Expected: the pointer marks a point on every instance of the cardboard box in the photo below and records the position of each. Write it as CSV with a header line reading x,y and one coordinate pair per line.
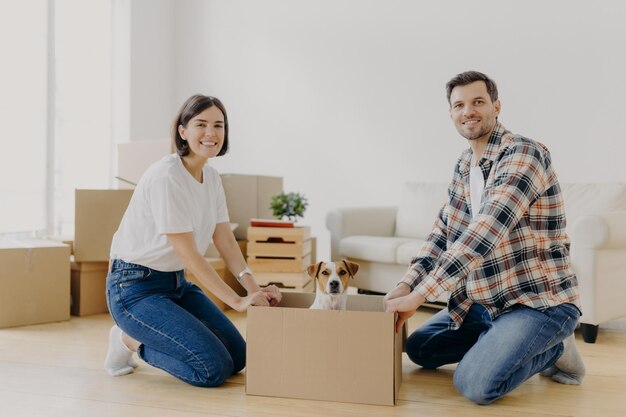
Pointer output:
x,y
68,240
88,288
34,282
133,158
97,216
347,356
249,197
220,267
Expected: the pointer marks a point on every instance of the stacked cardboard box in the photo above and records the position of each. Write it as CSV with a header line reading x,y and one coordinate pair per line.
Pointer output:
x,y
34,282
97,216
88,287
280,255
249,197
133,158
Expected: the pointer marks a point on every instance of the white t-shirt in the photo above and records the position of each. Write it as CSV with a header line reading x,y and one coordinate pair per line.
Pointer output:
x,y
477,186
168,199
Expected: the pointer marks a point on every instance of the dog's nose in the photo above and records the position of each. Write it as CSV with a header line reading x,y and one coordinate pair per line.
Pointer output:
x,y
334,285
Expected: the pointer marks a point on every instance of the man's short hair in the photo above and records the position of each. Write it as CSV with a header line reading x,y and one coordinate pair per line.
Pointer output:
x,y
469,77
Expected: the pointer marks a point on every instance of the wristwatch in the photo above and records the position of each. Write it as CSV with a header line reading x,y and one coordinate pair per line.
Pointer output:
x,y
245,271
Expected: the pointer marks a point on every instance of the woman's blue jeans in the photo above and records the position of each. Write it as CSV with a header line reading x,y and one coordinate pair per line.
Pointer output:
x,y
180,330
494,356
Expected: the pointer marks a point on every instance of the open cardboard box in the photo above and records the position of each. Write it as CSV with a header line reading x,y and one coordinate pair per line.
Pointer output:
x,y
347,356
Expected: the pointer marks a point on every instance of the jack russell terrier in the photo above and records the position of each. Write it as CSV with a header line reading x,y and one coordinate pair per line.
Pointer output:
x,y
332,280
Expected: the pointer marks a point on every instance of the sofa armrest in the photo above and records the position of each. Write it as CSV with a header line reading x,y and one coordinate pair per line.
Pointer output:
x,y
350,221
601,231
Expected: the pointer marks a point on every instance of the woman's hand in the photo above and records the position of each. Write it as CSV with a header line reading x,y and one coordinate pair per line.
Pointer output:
x,y
273,293
258,298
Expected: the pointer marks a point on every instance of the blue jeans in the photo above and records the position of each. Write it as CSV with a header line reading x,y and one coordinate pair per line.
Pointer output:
x,y
180,329
494,356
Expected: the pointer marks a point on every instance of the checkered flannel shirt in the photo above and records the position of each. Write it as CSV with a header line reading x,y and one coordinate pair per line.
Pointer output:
x,y
514,251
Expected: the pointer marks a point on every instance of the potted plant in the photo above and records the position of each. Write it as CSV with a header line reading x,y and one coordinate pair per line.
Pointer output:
x,y
289,205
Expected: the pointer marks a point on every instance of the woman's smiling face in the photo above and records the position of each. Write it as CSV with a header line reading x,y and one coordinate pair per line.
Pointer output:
x,y
205,133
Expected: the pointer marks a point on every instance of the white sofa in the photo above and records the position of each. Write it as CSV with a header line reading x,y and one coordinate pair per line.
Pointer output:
x,y
384,239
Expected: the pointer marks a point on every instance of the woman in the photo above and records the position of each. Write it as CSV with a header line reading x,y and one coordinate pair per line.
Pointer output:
x,y
176,208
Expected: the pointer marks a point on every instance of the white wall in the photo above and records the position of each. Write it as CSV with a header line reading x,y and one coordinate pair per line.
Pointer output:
x,y
152,73
143,58
345,98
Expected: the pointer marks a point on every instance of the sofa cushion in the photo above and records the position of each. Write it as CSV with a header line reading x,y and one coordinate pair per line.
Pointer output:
x,y
408,250
586,199
419,205
371,248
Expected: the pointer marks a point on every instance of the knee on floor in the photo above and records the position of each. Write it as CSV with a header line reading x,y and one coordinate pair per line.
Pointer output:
x,y
474,390
413,351
212,375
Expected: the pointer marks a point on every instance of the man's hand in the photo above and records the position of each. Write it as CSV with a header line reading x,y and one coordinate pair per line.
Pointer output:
x,y
400,291
405,306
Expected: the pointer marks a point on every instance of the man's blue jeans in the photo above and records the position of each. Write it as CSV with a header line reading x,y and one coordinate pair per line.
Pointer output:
x,y
494,356
180,330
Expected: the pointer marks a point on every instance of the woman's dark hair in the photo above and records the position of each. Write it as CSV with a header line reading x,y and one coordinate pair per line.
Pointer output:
x,y
195,105
469,77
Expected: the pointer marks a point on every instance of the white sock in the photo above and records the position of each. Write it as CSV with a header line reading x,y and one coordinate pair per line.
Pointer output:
x,y
569,368
131,362
119,357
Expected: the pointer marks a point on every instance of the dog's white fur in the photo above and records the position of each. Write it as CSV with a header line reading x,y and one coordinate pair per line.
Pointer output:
x,y
331,283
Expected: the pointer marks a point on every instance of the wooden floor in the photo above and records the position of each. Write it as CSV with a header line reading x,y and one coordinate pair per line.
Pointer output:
x,y
56,370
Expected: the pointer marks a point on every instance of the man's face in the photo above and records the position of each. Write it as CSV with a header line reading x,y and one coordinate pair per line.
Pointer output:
x,y
472,111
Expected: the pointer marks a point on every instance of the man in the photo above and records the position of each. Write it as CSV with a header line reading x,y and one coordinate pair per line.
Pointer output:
x,y
499,247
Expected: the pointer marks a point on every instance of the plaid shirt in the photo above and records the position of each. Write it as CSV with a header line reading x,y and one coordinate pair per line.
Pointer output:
x,y
515,250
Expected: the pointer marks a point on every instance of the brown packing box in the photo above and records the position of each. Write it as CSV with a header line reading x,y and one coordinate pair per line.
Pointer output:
x,y
347,356
88,288
68,240
249,197
97,216
220,267
34,282
133,158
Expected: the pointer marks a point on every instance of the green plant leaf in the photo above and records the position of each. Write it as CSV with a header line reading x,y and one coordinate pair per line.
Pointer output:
x,y
290,205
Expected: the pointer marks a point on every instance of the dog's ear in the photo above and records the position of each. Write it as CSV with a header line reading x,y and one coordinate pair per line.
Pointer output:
x,y
314,269
352,267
